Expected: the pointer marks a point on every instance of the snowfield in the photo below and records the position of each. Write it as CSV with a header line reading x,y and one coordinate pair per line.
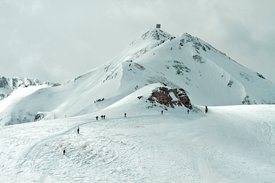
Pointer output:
x,y
228,144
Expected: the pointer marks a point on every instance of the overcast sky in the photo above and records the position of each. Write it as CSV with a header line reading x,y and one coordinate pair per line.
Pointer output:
x,y
57,40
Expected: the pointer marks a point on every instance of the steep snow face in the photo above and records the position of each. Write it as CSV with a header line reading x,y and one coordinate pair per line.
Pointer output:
x,y
10,113
208,76
142,45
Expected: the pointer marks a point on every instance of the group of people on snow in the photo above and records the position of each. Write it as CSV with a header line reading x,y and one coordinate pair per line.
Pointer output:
x,y
125,115
99,100
188,110
102,117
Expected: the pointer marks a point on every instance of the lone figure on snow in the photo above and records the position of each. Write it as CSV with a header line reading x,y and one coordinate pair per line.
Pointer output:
x,y
161,112
64,152
96,117
125,115
206,109
78,130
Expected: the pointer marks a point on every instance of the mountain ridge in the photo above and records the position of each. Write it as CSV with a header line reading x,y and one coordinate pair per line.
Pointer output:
x,y
207,75
8,85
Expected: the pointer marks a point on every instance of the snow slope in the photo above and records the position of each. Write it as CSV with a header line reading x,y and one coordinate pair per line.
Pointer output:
x,y
229,144
207,75
7,104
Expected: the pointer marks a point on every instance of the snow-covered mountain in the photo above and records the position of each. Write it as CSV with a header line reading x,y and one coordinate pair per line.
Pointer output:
x,y
8,85
206,75
153,95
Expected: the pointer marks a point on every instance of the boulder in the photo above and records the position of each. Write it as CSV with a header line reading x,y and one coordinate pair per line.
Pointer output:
x,y
170,97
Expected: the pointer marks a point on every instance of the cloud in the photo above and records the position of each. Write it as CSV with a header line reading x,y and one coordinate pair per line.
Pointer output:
x,y
67,38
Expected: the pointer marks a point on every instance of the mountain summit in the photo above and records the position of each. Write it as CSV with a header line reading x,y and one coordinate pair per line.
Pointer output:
x,y
156,34
155,60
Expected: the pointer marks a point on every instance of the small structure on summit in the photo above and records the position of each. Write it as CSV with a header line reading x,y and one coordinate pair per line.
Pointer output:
x,y
158,26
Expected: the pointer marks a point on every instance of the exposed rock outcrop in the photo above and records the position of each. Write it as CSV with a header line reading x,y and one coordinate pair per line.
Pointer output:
x,y
170,97
39,116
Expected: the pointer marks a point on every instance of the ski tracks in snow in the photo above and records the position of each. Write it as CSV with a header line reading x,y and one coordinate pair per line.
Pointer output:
x,y
45,140
103,154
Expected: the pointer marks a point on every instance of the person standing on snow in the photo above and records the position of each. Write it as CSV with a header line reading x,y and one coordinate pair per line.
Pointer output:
x,y
206,109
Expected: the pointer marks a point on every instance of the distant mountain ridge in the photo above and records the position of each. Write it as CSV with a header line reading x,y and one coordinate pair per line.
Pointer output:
x,y
181,62
7,85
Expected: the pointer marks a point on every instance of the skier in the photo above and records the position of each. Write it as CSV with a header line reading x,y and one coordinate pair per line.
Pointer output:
x,y
64,151
96,117
78,130
206,109
187,111
125,115
161,112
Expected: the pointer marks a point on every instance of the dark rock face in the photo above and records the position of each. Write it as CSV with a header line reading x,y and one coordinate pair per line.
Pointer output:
x,y
39,116
246,100
3,82
162,95
260,75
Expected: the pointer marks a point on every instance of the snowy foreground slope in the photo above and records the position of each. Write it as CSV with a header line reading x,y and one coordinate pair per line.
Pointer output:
x,y
208,76
229,144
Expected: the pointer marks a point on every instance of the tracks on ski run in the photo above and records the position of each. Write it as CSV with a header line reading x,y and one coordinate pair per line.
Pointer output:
x,y
94,149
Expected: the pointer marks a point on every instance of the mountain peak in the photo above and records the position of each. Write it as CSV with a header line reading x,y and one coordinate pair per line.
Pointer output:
x,y
186,62
146,42
156,34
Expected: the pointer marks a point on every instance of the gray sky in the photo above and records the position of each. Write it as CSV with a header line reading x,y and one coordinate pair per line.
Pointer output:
x,y
57,40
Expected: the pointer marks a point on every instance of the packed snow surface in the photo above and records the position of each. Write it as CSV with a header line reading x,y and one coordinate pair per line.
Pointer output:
x,y
228,144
